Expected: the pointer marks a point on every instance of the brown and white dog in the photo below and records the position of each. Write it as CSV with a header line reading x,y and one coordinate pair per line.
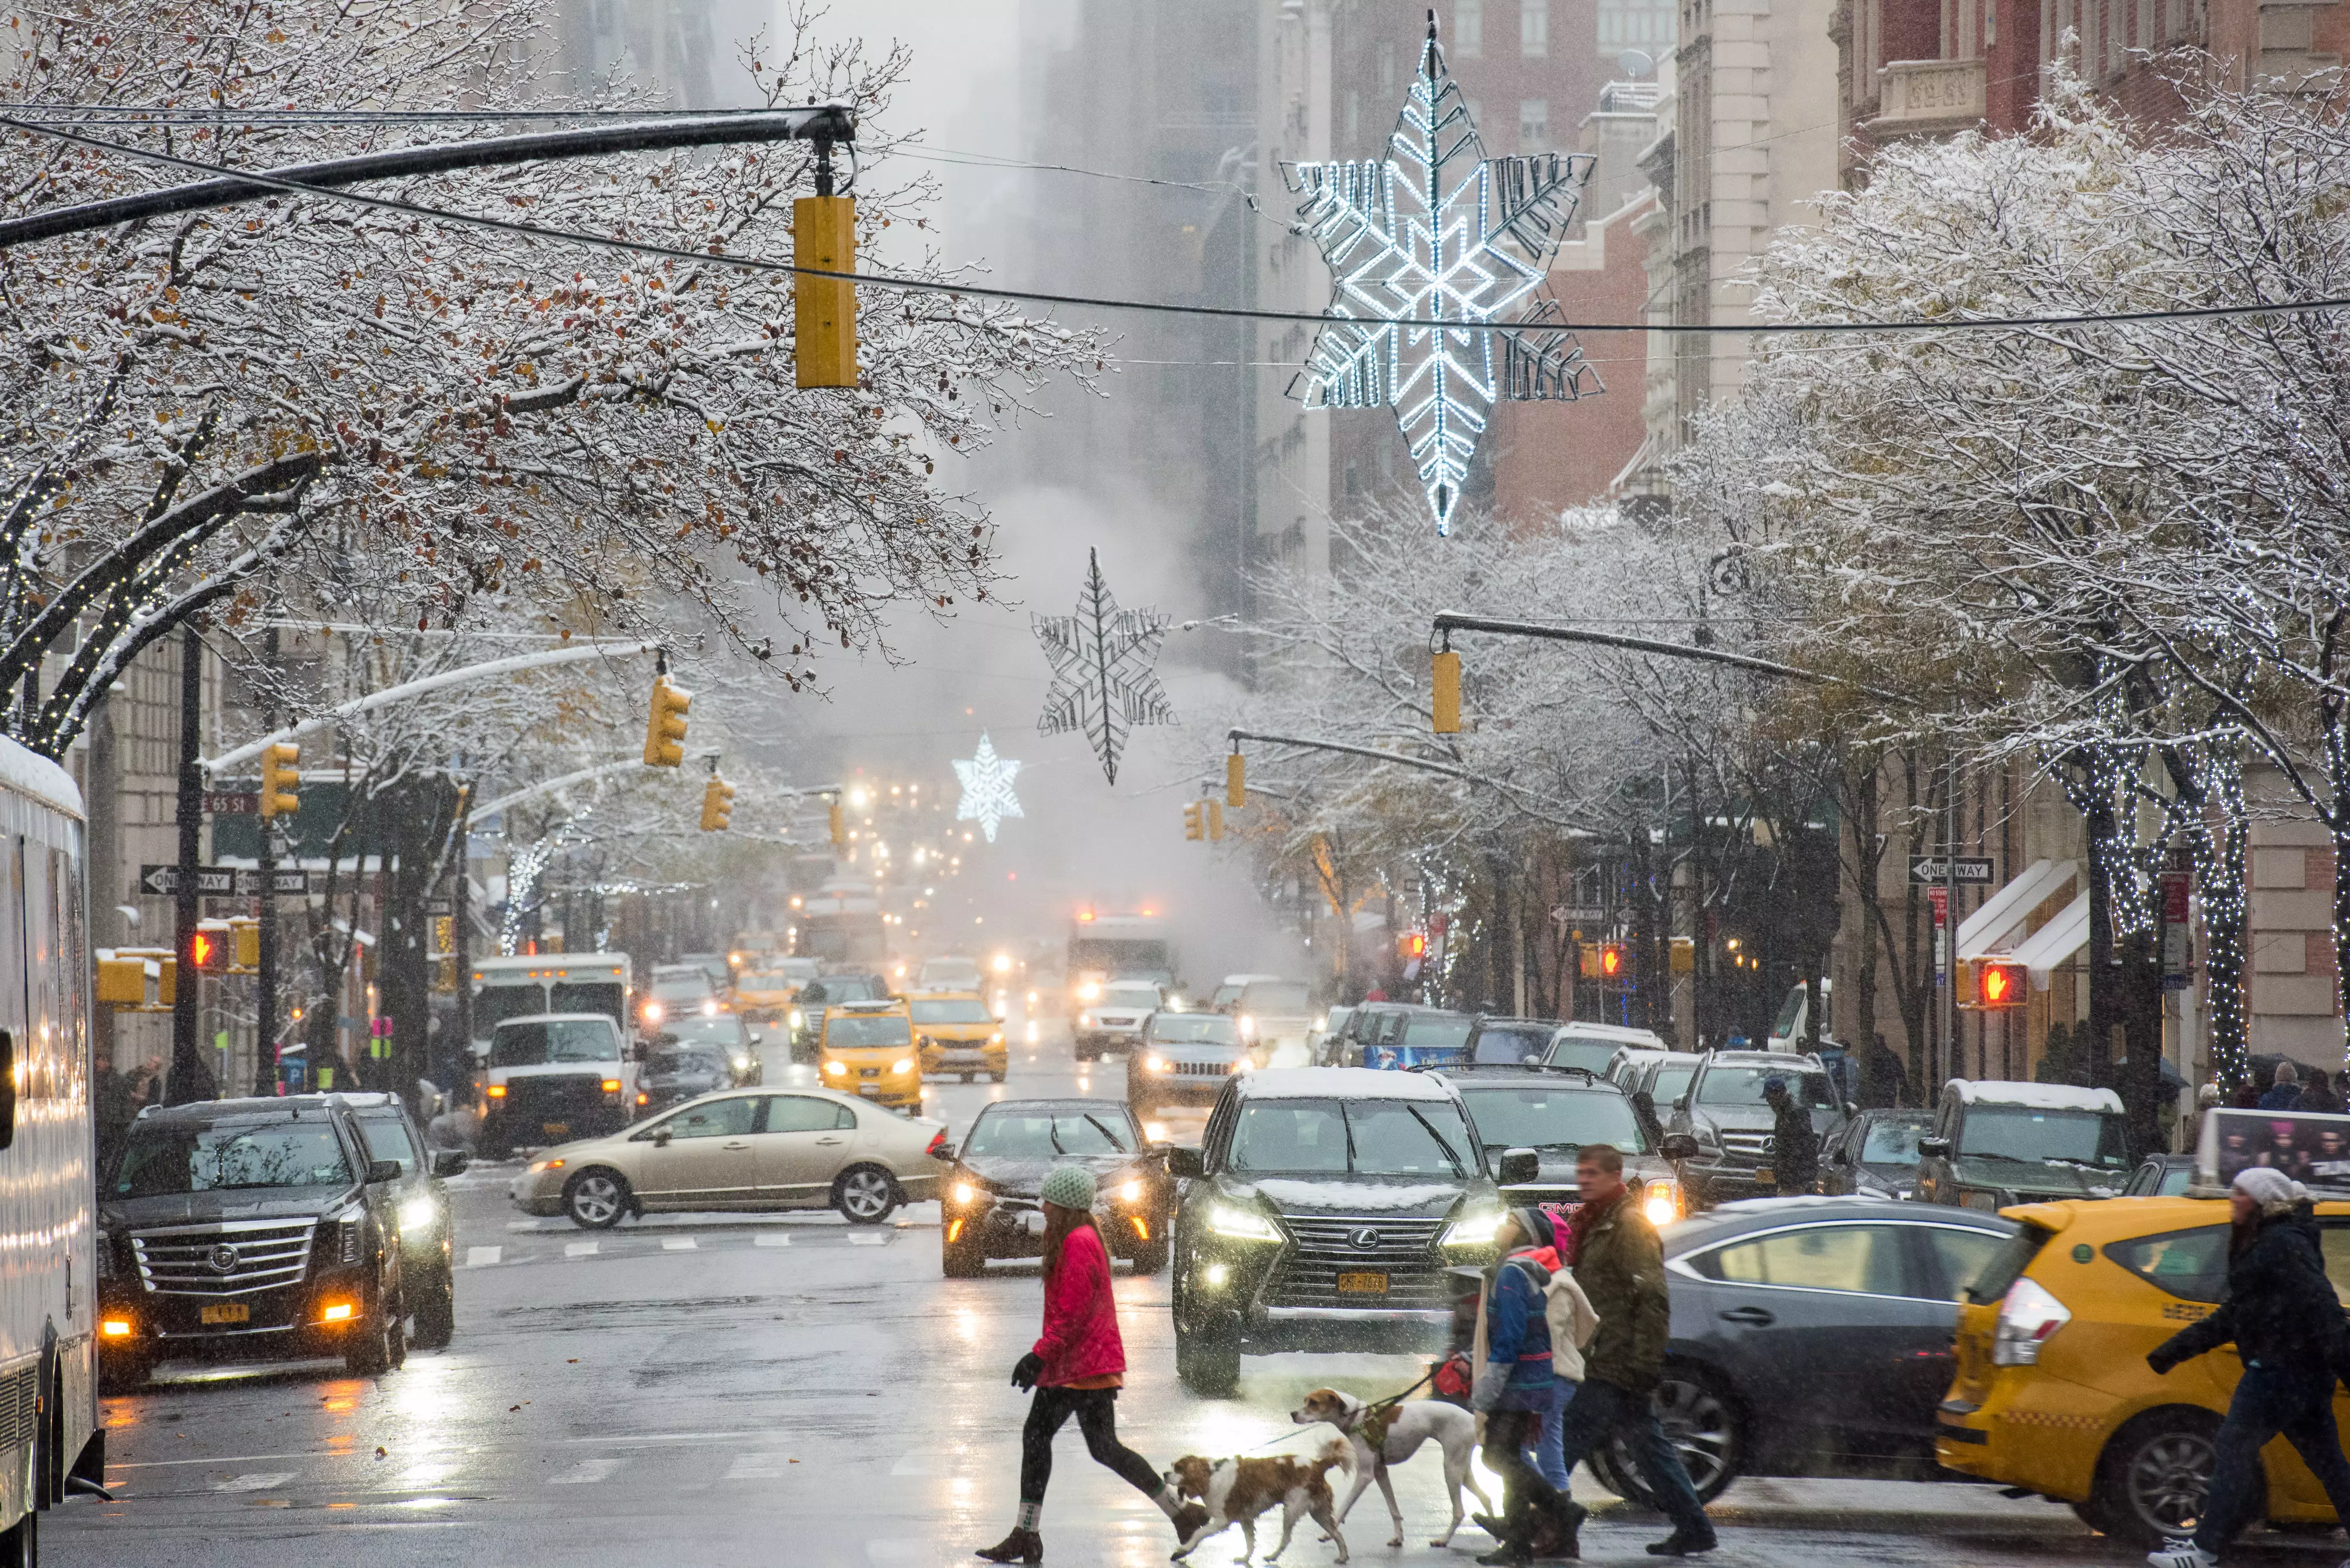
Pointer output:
x,y
1236,1490
1387,1435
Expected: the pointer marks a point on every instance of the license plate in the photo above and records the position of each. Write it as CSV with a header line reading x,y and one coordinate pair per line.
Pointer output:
x,y
227,1312
868,1072
1363,1284
1765,1176
555,1130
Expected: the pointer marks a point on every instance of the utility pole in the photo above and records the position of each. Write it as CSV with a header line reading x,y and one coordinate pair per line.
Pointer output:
x,y
189,1080
1950,927
264,1037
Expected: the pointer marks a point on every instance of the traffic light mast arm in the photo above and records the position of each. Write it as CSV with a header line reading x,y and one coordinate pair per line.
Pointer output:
x,y
1372,753
489,809
1450,622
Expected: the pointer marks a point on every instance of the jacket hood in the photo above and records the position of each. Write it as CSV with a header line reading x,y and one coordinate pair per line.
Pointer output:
x,y
1022,1176
203,1207
1407,1197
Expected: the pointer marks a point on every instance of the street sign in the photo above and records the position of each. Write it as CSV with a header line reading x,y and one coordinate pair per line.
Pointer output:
x,y
1935,869
233,802
222,882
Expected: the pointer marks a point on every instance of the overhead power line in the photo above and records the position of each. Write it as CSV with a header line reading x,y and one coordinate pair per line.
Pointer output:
x,y
715,257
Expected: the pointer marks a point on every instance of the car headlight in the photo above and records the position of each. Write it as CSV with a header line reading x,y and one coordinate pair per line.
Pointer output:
x,y
1662,1202
652,1013
901,1067
1131,1192
710,1010
1088,992
1247,1024
1084,1020
836,1069
1321,1023
416,1214
1154,1064
799,1019
742,1064
1241,1223
964,1192
1474,1229
539,1165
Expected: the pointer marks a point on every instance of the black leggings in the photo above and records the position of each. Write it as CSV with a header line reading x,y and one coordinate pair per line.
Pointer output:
x,y
1097,1413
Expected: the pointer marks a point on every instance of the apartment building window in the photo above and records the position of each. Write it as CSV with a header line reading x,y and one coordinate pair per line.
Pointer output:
x,y
1640,25
1468,28
1534,124
1388,68
1533,28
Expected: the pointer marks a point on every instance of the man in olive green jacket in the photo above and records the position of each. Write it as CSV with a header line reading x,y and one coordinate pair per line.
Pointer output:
x,y
1621,1264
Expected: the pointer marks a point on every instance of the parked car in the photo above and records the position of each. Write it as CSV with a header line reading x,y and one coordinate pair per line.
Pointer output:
x,y
1411,1037
553,1077
1995,1144
257,1229
1278,1020
2161,1176
674,1072
991,1208
957,1033
1183,1059
1724,1111
1596,1047
1811,1336
1113,1019
421,1206
1554,1111
756,1149
867,1048
1324,1206
1509,1041
2052,1392
1876,1157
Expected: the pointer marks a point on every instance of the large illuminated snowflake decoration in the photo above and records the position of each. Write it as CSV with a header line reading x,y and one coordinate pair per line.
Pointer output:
x,y
987,796
1439,232
1102,679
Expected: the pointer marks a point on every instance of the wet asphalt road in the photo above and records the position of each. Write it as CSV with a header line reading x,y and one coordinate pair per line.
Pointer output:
x,y
783,1389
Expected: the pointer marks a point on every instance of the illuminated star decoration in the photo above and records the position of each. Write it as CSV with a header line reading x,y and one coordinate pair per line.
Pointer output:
x,y
1438,230
987,796
1102,679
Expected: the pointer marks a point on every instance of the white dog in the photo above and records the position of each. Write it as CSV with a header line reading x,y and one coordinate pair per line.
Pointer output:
x,y
1389,1434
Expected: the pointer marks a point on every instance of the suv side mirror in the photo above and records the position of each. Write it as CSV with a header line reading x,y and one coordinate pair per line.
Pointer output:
x,y
1678,1145
1520,1166
1185,1162
383,1170
1934,1147
450,1161
661,1137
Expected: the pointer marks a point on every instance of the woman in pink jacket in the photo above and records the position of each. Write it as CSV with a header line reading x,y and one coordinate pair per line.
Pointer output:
x,y
1075,1369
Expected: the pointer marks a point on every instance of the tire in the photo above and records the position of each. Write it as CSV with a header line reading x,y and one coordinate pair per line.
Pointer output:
x,y
961,1261
20,1543
1704,1424
117,1375
967,1077
436,1310
2153,1476
995,1077
1151,1258
865,1195
1208,1358
596,1198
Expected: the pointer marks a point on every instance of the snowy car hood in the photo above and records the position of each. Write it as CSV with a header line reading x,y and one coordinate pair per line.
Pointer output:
x,y
1362,1195
1024,1177
2038,1178
205,1207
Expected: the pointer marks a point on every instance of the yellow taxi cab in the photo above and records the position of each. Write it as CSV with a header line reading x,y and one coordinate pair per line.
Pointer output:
x,y
762,992
957,1033
2052,1393
867,1048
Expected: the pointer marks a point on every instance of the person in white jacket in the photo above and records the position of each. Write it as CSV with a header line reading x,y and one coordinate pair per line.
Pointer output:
x,y
1572,1323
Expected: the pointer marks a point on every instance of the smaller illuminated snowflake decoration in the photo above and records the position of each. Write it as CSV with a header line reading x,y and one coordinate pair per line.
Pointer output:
x,y
1439,232
987,796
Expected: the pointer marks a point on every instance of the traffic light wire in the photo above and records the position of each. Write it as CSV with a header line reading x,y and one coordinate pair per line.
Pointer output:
x,y
1161,307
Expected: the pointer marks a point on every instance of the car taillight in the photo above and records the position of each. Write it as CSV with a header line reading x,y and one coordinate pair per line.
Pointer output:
x,y
938,1149
2028,1315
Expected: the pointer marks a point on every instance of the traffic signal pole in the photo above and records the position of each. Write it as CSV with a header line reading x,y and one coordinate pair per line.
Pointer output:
x,y
189,1082
264,986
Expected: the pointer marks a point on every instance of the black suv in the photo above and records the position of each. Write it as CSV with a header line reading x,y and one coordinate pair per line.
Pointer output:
x,y
1554,1111
255,1229
420,1207
1325,1206
1724,1113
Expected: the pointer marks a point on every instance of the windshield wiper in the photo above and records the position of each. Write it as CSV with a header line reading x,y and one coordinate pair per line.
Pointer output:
x,y
1053,1131
1110,1137
1451,1159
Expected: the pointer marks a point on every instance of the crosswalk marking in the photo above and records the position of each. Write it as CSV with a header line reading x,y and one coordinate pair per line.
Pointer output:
x,y
769,1238
482,1257
756,1467
581,1249
584,1472
260,1480
875,1241
678,1244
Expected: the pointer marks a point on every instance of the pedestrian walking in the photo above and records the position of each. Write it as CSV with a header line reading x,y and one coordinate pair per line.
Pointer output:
x,y
2284,1089
1075,1368
2282,1317
2319,1095
1517,1392
1794,1143
1567,1310
1621,1264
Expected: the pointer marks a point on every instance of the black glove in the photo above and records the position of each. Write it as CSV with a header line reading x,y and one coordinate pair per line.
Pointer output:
x,y
1024,1373
2161,1360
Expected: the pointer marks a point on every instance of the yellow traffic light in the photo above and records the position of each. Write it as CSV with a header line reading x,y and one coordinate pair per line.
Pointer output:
x,y
717,804
1444,696
839,827
1216,820
824,309
665,726
1195,823
244,942
280,777
1235,781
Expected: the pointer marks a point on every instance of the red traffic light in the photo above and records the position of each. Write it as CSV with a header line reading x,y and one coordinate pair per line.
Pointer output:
x,y
205,952
1998,985
1414,944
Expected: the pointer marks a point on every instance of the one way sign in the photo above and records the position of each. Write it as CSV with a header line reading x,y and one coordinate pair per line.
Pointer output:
x,y
223,881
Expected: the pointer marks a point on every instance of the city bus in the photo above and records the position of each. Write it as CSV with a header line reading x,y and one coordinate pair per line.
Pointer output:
x,y
51,1441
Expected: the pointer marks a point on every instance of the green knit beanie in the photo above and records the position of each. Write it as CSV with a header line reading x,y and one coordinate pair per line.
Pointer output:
x,y
1070,1185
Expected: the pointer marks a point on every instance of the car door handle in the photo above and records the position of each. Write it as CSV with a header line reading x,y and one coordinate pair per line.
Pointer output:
x,y
736,1144
829,1142
1754,1316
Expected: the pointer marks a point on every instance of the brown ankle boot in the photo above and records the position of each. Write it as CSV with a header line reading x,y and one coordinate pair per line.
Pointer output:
x,y
1020,1546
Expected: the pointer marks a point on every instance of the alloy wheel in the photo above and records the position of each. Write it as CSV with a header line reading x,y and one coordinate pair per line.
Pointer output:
x,y
1704,1432
2168,1478
865,1197
595,1199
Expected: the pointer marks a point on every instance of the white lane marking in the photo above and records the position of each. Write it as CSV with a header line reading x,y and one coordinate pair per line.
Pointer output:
x,y
584,1472
756,1467
919,1465
680,1244
581,1249
260,1480
767,1238
482,1257
855,1241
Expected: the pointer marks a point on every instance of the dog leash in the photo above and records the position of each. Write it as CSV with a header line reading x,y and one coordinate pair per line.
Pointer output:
x,y
1395,1399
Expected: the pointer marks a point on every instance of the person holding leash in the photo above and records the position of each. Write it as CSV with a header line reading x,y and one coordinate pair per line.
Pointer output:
x,y
1075,1368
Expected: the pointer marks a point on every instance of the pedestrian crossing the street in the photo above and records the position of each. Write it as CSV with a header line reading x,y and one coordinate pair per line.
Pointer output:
x,y
626,1244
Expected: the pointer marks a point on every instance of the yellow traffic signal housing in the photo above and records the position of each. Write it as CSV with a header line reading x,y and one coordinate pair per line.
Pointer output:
x,y
1684,958
1992,985
839,827
1444,693
1195,822
122,982
245,943
1216,820
665,727
824,309
1236,781
717,804
1586,962
208,947
280,778
1611,960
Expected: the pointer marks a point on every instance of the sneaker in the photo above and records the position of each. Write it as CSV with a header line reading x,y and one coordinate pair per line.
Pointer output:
x,y
2180,1553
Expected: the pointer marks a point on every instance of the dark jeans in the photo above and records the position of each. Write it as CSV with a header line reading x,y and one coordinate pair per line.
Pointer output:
x,y
1528,1501
2271,1402
1097,1413
1599,1410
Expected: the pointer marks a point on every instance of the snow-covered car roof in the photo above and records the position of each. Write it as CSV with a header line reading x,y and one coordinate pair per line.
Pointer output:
x,y
1647,1039
1342,1083
2038,1096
